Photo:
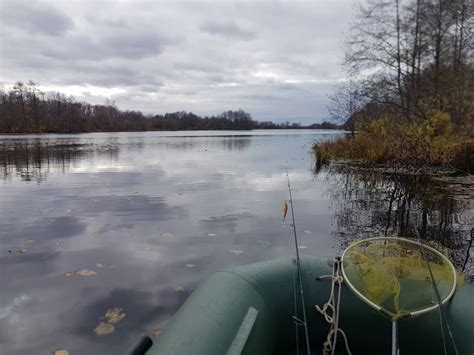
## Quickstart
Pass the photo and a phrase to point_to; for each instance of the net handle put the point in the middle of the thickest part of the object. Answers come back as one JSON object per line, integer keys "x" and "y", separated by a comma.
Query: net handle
{"x": 380, "y": 309}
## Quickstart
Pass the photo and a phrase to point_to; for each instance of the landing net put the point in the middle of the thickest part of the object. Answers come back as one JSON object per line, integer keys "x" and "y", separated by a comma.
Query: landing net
{"x": 392, "y": 275}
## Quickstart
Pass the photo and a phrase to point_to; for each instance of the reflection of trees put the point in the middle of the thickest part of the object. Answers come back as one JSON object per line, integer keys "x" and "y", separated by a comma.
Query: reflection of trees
{"x": 371, "y": 203}
{"x": 230, "y": 143}
{"x": 236, "y": 143}
{"x": 33, "y": 160}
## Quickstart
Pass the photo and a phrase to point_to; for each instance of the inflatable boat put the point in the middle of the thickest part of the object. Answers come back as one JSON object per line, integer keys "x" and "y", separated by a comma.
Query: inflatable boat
{"x": 250, "y": 309}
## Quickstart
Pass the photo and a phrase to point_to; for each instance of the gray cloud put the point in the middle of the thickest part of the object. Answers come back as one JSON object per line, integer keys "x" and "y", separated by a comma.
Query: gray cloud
{"x": 114, "y": 45}
{"x": 227, "y": 29}
{"x": 35, "y": 17}
{"x": 277, "y": 60}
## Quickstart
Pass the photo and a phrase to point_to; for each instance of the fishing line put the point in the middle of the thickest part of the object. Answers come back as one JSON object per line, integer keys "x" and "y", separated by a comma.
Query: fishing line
{"x": 442, "y": 311}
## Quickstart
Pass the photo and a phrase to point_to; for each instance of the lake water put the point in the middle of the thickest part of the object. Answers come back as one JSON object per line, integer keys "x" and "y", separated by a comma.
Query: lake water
{"x": 100, "y": 221}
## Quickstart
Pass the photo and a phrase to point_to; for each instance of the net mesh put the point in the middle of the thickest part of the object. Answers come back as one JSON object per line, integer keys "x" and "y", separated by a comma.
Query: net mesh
{"x": 393, "y": 274}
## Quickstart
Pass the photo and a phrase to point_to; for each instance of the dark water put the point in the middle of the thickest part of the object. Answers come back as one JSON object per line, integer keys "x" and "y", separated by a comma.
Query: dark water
{"x": 377, "y": 202}
{"x": 152, "y": 213}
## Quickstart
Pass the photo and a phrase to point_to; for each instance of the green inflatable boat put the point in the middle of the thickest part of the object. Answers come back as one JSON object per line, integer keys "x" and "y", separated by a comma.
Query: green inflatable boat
{"x": 251, "y": 310}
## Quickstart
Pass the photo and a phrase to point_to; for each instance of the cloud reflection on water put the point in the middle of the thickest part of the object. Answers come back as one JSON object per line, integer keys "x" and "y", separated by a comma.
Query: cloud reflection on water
{"x": 113, "y": 199}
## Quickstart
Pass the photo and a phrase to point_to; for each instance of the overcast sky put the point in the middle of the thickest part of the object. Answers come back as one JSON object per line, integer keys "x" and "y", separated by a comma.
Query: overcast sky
{"x": 277, "y": 60}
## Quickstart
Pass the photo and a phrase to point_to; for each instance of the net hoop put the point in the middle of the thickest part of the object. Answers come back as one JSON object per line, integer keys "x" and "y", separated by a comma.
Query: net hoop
{"x": 421, "y": 245}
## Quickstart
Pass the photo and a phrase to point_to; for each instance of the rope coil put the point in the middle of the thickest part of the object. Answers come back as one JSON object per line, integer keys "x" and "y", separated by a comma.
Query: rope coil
{"x": 330, "y": 310}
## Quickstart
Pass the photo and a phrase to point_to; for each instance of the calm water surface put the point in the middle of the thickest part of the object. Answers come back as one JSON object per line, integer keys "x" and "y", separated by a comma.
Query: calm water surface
{"x": 152, "y": 213}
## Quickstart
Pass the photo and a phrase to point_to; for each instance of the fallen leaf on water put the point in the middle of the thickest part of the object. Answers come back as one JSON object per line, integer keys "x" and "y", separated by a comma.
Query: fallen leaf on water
{"x": 102, "y": 265}
{"x": 211, "y": 235}
{"x": 21, "y": 251}
{"x": 114, "y": 315}
{"x": 179, "y": 288}
{"x": 236, "y": 252}
{"x": 86, "y": 272}
{"x": 302, "y": 247}
{"x": 61, "y": 352}
{"x": 44, "y": 211}
{"x": 267, "y": 242}
{"x": 69, "y": 274}
{"x": 168, "y": 235}
{"x": 104, "y": 329}
{"x": 308, "y": 232}
{"x": 29, "y": 241}
{"x": 190, "y": 265}
{"x": 157, "y": 332}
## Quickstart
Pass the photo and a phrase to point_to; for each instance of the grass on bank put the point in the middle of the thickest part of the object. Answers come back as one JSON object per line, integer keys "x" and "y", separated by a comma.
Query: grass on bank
{"x": 436, "y": 142}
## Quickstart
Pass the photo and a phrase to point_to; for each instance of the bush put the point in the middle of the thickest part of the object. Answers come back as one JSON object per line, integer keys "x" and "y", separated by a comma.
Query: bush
{"x": 436, "y": 142}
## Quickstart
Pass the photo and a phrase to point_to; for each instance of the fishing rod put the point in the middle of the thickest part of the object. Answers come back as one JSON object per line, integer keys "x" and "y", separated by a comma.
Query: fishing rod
{"x": 298, "y": 270}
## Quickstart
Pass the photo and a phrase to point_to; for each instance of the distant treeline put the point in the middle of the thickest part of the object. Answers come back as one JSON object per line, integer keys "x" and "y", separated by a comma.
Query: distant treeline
{"x": 26, "y": 109}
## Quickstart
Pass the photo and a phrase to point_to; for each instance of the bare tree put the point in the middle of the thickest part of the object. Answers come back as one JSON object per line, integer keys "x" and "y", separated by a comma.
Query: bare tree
{"x": 345, "y": 102}
{"x": 412, "y": 56}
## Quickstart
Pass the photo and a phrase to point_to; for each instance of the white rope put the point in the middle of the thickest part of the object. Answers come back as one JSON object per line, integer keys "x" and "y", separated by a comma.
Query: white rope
{"x": 330, "y": 310}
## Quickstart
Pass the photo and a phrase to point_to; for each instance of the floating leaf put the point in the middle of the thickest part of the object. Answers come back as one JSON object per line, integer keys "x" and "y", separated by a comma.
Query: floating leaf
{"x": 104, "y": 329}
{"x": 179, "y": 288}
{"x": 86, "y": 272}
{"x": 302, "y": 247}
{"x": 29, "y": 241}
{"x": 285, "y": 209}
{"x": 157, "y": 332}
{"x": 69, "y": 274}
{"x": 190, "y": 265}
{"x": 236, "y": 252}
{"x": 21, "y": 251}
{"x": 168, "y": 235}
{"x": 44, "y": 211}
{"x": 61, "y": 352}
{"x": 267, "y": 242}
{"x": 212, "y": 235}
{"x": 114, "y": 315}
{"x": 101, "y": 265}
{"x": 308, "y": 232}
